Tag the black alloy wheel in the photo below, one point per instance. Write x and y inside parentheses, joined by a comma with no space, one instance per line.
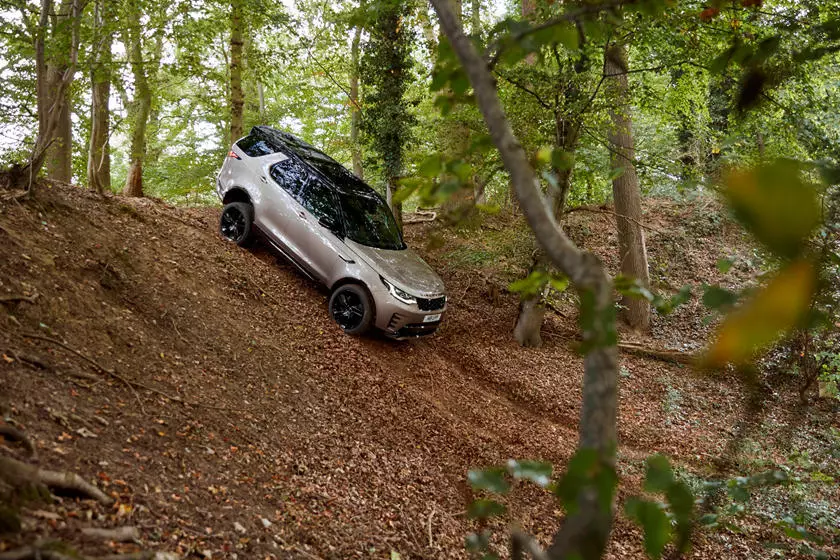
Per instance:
(235,222)
(351,308)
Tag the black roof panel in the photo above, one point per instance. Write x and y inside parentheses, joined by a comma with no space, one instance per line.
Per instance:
(343,179)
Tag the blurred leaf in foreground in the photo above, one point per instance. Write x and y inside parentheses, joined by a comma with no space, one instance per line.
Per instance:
(776,204)
(777,308)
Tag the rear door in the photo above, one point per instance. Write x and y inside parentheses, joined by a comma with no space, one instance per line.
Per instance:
(279,208)
(321,248)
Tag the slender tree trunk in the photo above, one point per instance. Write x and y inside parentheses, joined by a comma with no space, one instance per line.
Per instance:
(475,18)
(51,88)
(626,192)
(59,158)
(237,97)
(261,98)
(586,528)
(355,107)
(140,107)
(99,157)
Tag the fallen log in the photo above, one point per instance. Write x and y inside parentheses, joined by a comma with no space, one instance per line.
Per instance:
(675,356)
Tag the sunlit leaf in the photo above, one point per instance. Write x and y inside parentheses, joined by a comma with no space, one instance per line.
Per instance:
(778,307)
(776,204)
(537,472)
(492,480)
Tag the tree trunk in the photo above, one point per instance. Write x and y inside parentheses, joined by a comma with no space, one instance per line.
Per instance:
(99,156)
(396,208)
(140,106)
(59,157)
(475,18)
(51,88)
(355,108)
(586,528)
(237,97)
(261,98)
(626,192)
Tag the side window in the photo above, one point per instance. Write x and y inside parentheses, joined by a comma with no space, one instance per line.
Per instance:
(256,147)
(291,175)
(320,200)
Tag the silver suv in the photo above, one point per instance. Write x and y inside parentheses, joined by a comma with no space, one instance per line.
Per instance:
(334,228)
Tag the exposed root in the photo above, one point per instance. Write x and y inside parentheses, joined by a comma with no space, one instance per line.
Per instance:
(19,474)
(132,385)
(13,434)
(35,553)
(30,299)
(117,534)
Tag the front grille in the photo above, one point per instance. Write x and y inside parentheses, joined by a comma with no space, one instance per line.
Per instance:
(417,329)
(431,304)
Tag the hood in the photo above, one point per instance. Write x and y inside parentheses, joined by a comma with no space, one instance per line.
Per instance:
(404,268)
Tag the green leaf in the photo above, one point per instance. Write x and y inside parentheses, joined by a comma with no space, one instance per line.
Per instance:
(531,285)
(559,283)
(658,476)
(491,479)
(482,509)
(715,297)
(724,265)
(431,166)
(537,472)
(652,518)
(666,306)
(579,474)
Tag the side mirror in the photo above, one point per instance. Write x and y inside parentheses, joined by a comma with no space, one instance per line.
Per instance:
(329,223)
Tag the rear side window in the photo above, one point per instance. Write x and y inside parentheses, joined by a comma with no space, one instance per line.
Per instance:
(319,199)
(256,147)
(291,175)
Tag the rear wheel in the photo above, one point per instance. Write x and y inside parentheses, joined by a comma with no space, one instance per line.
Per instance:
(351,308)
(235,222)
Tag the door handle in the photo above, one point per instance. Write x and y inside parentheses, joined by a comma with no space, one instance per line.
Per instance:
(263,179)
(302,215)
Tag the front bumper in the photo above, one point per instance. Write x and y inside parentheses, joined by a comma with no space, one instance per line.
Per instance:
(402,320)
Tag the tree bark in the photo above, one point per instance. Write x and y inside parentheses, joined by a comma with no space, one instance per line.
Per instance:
(355,107)
(237,97)
(51,87)
(585,531)
(99,156)
(475,18)
(59,162)
(626,192)
(141,105)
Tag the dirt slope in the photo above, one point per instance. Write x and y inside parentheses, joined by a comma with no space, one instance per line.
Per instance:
(262,431)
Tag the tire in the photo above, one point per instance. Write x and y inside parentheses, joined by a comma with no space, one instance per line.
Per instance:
(235,223)
(352,308)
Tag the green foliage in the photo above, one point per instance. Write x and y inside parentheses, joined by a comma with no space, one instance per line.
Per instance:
(386,72)
(534,284)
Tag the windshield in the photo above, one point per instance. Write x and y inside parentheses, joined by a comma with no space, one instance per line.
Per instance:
(369,221)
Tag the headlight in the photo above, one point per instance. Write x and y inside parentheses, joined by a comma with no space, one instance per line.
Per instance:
(401,295)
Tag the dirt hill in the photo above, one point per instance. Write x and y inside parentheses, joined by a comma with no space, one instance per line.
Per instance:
(229,417)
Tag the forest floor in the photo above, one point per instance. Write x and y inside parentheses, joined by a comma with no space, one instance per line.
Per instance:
(237,421)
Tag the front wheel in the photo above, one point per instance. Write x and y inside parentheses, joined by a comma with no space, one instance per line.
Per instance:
(235,222)
(351,308)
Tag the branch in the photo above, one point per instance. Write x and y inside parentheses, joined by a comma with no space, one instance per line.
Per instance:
(527,90)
